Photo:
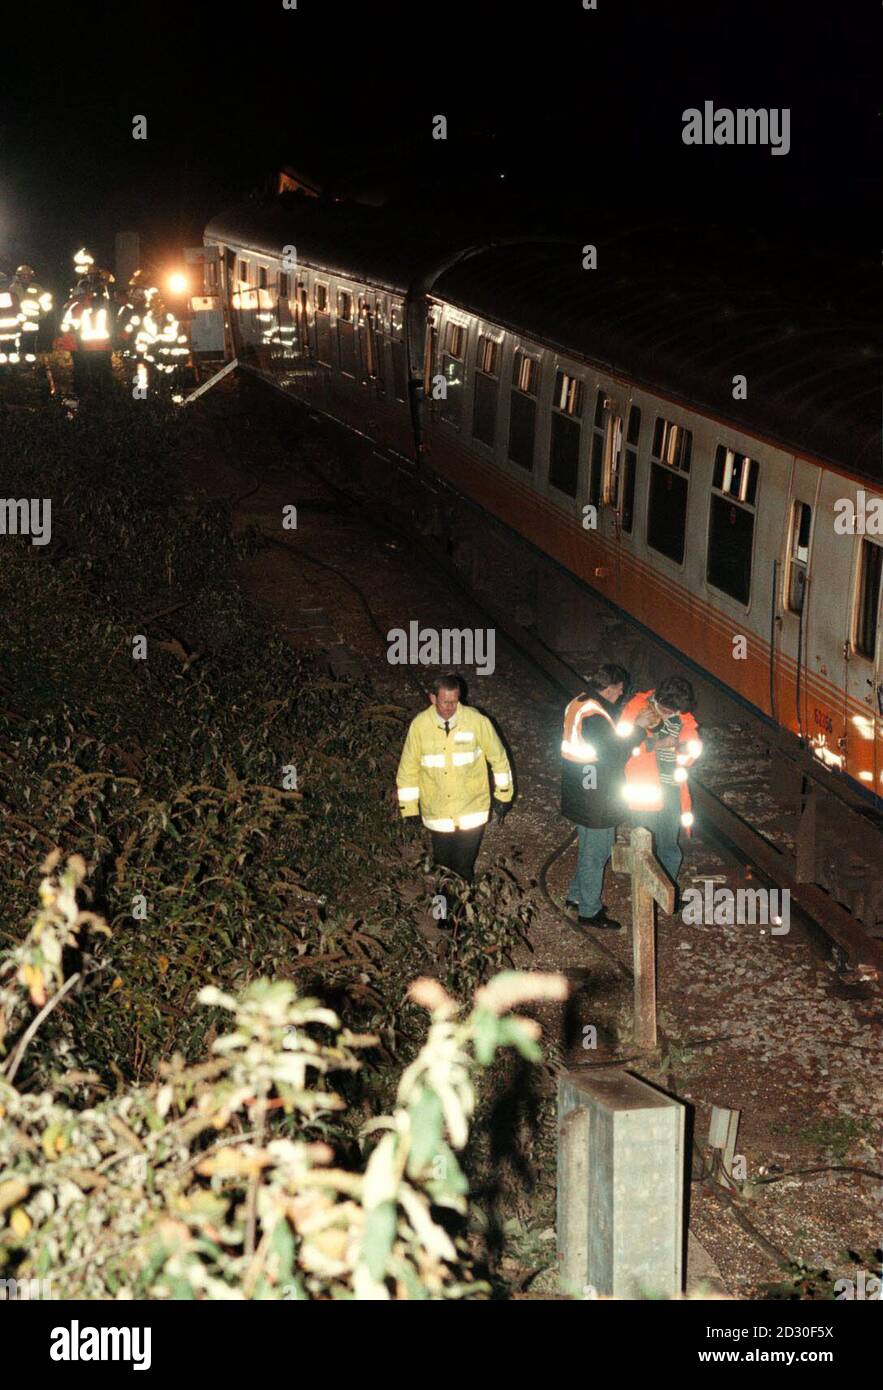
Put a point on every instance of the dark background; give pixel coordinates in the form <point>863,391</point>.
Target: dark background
<point>580,111</point>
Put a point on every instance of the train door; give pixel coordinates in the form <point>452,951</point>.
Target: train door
<point>300,316</point>
<point>814,656</point>
<point>792,589</point>
<point>606,480</point>
<point>864,676</point>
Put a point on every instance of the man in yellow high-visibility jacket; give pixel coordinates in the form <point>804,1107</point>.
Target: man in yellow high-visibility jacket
<point>443,776</point>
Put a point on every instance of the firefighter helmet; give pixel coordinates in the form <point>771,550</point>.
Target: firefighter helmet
<point>25,271</point>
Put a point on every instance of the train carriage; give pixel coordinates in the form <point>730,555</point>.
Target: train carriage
<point>695,461</point>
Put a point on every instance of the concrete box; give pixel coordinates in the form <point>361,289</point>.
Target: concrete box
<point>620,1186</point>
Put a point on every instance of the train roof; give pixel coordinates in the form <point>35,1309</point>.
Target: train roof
<point>813,378</point>
<point>343,238</point>
<point>813,373</point>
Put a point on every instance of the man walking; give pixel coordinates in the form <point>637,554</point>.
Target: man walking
<point>443,776</point>
<point>593,758</point>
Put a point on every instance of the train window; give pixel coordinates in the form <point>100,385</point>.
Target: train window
<point>567,404</point>
<point>486,391</point>
<point>262,277</point>
<point>672,444</point>
<point>345,306</point>
<point>211,275</point>
<point>456,335</point>
<point>798,556</point>
<point>488,353</point>
<point>630,468</point>
<point>667,500</point>
<point>523,409</point>
<point>735,474</point>
<point>867,599</point>
<point>568,394</point>
<point>731,524</point>
<point>525,373</point>
<point>321,299</point>
<point>284,285</point>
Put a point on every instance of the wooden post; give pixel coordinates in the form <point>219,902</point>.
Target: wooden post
<point>650,883</point>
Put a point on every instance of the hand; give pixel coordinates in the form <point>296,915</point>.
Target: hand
<point>502,809</point>
<point>645,718</point>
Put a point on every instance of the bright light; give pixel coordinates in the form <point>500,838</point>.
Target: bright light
<point>178,283</point>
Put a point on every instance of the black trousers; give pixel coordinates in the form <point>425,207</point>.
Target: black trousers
<point>92,371</point>
<point>457,850</point>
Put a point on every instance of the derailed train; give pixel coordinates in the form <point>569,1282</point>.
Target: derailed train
<point>711,471</point>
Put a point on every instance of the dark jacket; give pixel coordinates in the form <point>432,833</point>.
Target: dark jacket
<point>602,805</point>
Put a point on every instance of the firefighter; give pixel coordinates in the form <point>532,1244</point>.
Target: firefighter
<point>10,322</point>
<point>35,304</point>
<point>592,765</point>
<point>131,335</point>
<point>443,776</point>
<point>656,775</point>
<point>158,342</point>
<point>87,330</point>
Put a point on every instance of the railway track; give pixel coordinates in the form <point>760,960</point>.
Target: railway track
<point>743,814</point>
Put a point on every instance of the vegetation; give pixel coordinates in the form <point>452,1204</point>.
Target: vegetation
<point>180,1116</point>
<point>223,1179</point>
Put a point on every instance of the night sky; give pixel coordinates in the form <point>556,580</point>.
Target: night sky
<point>580,110</point>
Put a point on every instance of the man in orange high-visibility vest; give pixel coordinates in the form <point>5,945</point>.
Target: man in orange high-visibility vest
<point>656,775</point>
<point>592,761</point>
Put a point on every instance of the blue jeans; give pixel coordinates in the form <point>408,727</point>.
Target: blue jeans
<point>665,826</point>
<point>595,848</point>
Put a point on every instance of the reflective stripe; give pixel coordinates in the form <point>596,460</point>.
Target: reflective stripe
<point>576,748</point>
<point>687,819</point>
<point>501,779</point>
<point>643,794</point>
<point>680,774</point>
<point>624,728</point>
<point>462,759</point>
<point>466,737</point>
<point>694,747</point>
<point>445,825</point>
<point>432,760</point>
<point>408,793</point>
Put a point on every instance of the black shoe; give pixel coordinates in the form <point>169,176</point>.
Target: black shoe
<point>571,902</point>
<point>601,919</point>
